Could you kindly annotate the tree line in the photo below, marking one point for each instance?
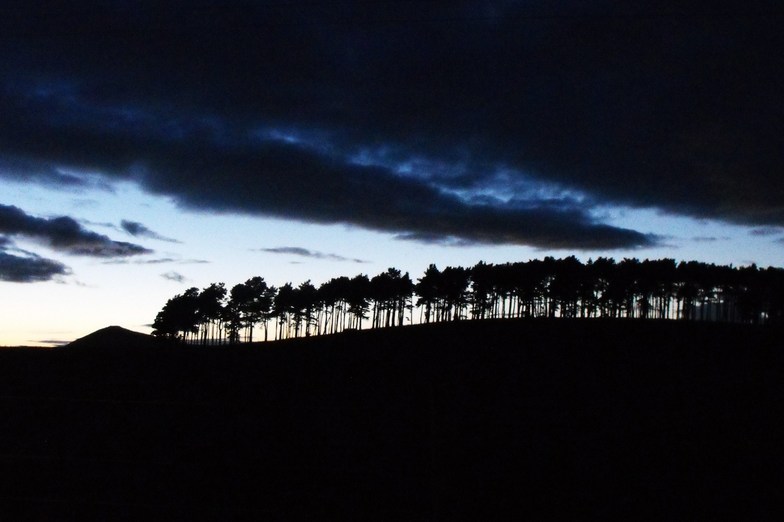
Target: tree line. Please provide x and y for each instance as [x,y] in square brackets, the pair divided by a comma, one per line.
[660,289]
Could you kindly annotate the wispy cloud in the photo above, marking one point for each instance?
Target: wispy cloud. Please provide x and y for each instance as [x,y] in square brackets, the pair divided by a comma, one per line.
[174,276]
[137,229]
[312,254]
[51,342]
[156,261]
[709,239]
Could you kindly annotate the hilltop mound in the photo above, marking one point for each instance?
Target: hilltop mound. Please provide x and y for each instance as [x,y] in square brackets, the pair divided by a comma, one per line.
[112,339]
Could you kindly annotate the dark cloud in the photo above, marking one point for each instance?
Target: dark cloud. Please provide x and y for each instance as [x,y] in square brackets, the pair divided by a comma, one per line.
[64,234]
[50,342]
[137,229]
[26,170]
[174,276]
[304,252]
[422,119]
[28,267]
[766,231]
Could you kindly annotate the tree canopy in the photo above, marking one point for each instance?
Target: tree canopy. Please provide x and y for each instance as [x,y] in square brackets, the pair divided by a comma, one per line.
[549,287]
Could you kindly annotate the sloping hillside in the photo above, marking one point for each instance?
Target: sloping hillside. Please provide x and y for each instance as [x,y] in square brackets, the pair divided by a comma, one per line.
[454,421]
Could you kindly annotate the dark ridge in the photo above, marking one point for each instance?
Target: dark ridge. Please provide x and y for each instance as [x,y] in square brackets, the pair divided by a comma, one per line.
[482,420]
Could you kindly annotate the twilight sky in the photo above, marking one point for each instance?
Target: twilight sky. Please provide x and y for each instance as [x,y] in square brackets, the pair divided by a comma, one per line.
[148,146]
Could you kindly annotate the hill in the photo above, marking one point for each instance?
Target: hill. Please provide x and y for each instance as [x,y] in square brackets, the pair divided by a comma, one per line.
[112,339]
[487,420]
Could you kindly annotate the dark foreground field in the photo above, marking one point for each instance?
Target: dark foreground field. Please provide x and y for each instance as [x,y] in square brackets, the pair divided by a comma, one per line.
[479,420]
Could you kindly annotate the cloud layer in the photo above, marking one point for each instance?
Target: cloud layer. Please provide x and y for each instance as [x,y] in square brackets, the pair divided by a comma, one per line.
[64,234]
[27,267]
[174,276]
[137,229]
[313,254]
[488,122]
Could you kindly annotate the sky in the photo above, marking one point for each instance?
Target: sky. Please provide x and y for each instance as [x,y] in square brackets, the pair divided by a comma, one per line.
[147,147]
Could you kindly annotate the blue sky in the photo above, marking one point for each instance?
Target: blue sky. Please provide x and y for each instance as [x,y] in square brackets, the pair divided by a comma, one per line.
[145,149]
[231,248]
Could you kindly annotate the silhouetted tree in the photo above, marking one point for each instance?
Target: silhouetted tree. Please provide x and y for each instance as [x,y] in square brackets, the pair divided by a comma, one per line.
[690,290]
[390,293]
[773,283]
[232,314]
[329,297]
[304,300]
[179,316]
[481,289]
[452,291]
[256,304]
[334,297]
[427,290]
[358,300]
[565,285]
[210,305]
[382,292]
[527,284]
[663,273]
[282,307]
[404,291]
